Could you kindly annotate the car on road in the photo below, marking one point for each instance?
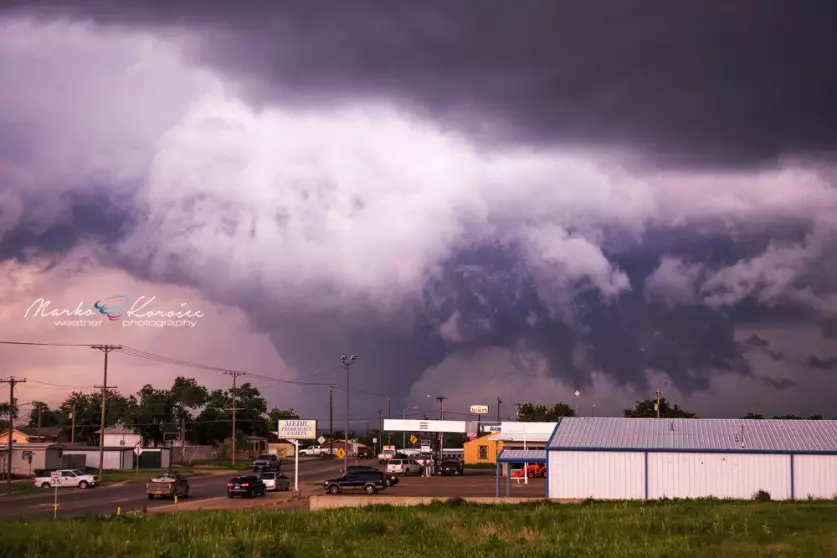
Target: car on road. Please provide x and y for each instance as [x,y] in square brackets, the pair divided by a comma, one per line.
[275,482]
[69,477]
[389,478]
[267,462]
[451,467]
[370,482]
[313,450]
[247,486]
[385,456]
[167,485]
[403,467]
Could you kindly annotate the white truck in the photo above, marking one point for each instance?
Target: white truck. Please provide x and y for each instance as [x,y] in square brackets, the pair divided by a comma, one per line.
[69,477]
[313,450]
[386,455]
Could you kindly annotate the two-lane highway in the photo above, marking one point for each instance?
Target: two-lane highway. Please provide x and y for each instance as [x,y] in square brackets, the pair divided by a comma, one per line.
[132,497]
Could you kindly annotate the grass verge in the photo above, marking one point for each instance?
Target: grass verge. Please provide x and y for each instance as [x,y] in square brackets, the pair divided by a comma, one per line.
[617,530]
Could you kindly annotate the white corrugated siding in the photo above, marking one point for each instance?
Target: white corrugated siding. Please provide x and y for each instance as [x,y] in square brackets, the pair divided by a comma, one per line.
[114,460]
[698,475]
[815,475]
[596,474]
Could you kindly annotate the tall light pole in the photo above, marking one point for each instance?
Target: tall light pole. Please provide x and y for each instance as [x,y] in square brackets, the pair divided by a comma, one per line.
[441,400]
[347,361]
[404,434]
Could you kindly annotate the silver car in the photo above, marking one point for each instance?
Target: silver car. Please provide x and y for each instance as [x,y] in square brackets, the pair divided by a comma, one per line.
[275,482]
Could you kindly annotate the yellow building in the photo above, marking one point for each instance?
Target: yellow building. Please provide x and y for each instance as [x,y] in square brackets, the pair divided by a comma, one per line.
[18,437]
[482,450]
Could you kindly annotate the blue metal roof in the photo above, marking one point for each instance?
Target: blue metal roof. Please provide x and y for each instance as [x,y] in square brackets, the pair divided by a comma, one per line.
[522,456]
[708,435]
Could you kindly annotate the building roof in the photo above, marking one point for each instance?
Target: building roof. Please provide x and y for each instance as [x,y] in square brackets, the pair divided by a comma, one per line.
[522,456]
[45,431]
[107,448]
[706,435]
[38,446]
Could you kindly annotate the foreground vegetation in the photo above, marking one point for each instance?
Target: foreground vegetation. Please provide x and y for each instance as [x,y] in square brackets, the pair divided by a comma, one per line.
[684,528]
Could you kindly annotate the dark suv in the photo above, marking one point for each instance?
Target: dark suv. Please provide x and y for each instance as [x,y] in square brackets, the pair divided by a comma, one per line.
[246,486]
[451,467]
[389,478]
[371,482]
[267,462]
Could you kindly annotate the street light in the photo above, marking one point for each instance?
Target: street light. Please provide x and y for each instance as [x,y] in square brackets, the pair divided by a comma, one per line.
[347,361]
[441,400]
[404,434]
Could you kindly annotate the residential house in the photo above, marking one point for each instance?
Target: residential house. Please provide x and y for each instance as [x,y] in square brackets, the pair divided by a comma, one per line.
[18,437]
[45,434]
[280,447]
[482,450]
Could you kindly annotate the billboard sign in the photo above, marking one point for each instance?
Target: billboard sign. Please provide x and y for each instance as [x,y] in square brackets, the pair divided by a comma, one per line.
[410,425]
[479,409]
[293,429]
[492,428]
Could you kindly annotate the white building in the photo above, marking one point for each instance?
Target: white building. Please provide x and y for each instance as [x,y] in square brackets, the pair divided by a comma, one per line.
[524,435]
[119,436]
[638,458]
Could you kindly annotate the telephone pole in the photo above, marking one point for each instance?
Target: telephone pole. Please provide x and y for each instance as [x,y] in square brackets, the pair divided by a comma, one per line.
[499,402]
[40,409]
[441,400]
[380,435]
[518,405]
[658,403]
[105,387]
[347,362]
[235,374]
[73,426]
[12,382]
[330,419]
[389,416]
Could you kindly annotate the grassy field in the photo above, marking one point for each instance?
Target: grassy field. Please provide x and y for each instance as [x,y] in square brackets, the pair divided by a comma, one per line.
[616,530]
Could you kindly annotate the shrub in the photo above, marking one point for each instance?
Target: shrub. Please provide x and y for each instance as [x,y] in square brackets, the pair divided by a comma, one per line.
[762,496]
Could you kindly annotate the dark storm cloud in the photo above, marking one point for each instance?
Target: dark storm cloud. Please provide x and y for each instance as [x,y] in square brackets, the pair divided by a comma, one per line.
[697,83]
[827,363]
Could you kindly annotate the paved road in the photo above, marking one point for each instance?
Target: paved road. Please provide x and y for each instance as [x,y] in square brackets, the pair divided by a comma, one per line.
[130,497]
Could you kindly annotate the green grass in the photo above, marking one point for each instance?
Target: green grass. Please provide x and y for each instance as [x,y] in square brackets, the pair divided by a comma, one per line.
[691,529]
[193,470]
[19,487]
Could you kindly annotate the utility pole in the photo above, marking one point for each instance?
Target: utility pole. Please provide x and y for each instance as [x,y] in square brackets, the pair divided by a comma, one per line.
[182,439]
[40,409]
[105,387]
[235,374]
[330,419]
[380,435]
[499,402]
[73,426]
[518,405]
[12,383]
[658,403]
[347,362]
[389,416]
[441,400]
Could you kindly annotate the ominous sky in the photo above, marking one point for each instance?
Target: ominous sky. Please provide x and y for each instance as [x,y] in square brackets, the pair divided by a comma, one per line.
[481,200]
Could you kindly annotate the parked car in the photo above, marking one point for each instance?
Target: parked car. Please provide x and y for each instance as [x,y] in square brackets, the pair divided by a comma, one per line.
[267,462]
[275,482]
[167,485]
[386,455]
[389,478]
[69,477]
[451,467]
[532,471]
[370,482]
[403,467]
[246,486]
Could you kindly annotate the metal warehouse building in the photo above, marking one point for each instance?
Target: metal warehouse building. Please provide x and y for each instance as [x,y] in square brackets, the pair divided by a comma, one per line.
[638,458]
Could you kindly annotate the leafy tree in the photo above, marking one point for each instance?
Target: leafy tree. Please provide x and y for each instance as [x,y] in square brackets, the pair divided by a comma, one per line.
[88,408]
[788,417]
[214,423]
[529,412]
[753,416]
[4,415]
[48,417]
[187,395]
[647,409]
[153,409]
[275,415]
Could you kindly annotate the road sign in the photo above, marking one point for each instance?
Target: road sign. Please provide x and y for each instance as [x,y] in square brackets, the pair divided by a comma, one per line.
[479,409]
[292,429]
[341,453]
[425,448]
[354,447]
[413,439]
[321,440]
[55,478]
[374,440]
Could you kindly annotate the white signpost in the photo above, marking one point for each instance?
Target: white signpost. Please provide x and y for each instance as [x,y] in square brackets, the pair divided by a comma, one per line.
[321,440]
[55,480]
[295,430]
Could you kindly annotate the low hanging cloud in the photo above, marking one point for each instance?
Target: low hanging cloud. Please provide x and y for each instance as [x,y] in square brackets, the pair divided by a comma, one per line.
[364,225]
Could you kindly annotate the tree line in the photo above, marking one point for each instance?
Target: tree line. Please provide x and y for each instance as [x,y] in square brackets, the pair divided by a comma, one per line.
[529,412]
[156,414]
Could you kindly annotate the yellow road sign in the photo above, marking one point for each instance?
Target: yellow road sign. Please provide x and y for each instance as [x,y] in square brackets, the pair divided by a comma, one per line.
[413,439]
[341,453]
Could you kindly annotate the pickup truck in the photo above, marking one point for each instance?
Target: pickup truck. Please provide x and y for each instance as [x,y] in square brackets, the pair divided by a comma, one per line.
[167,486]
[69,477]
[267,462]
[313,450]
[386,455]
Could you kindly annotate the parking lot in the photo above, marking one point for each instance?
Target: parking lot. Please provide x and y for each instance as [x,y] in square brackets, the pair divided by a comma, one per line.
[474,483]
